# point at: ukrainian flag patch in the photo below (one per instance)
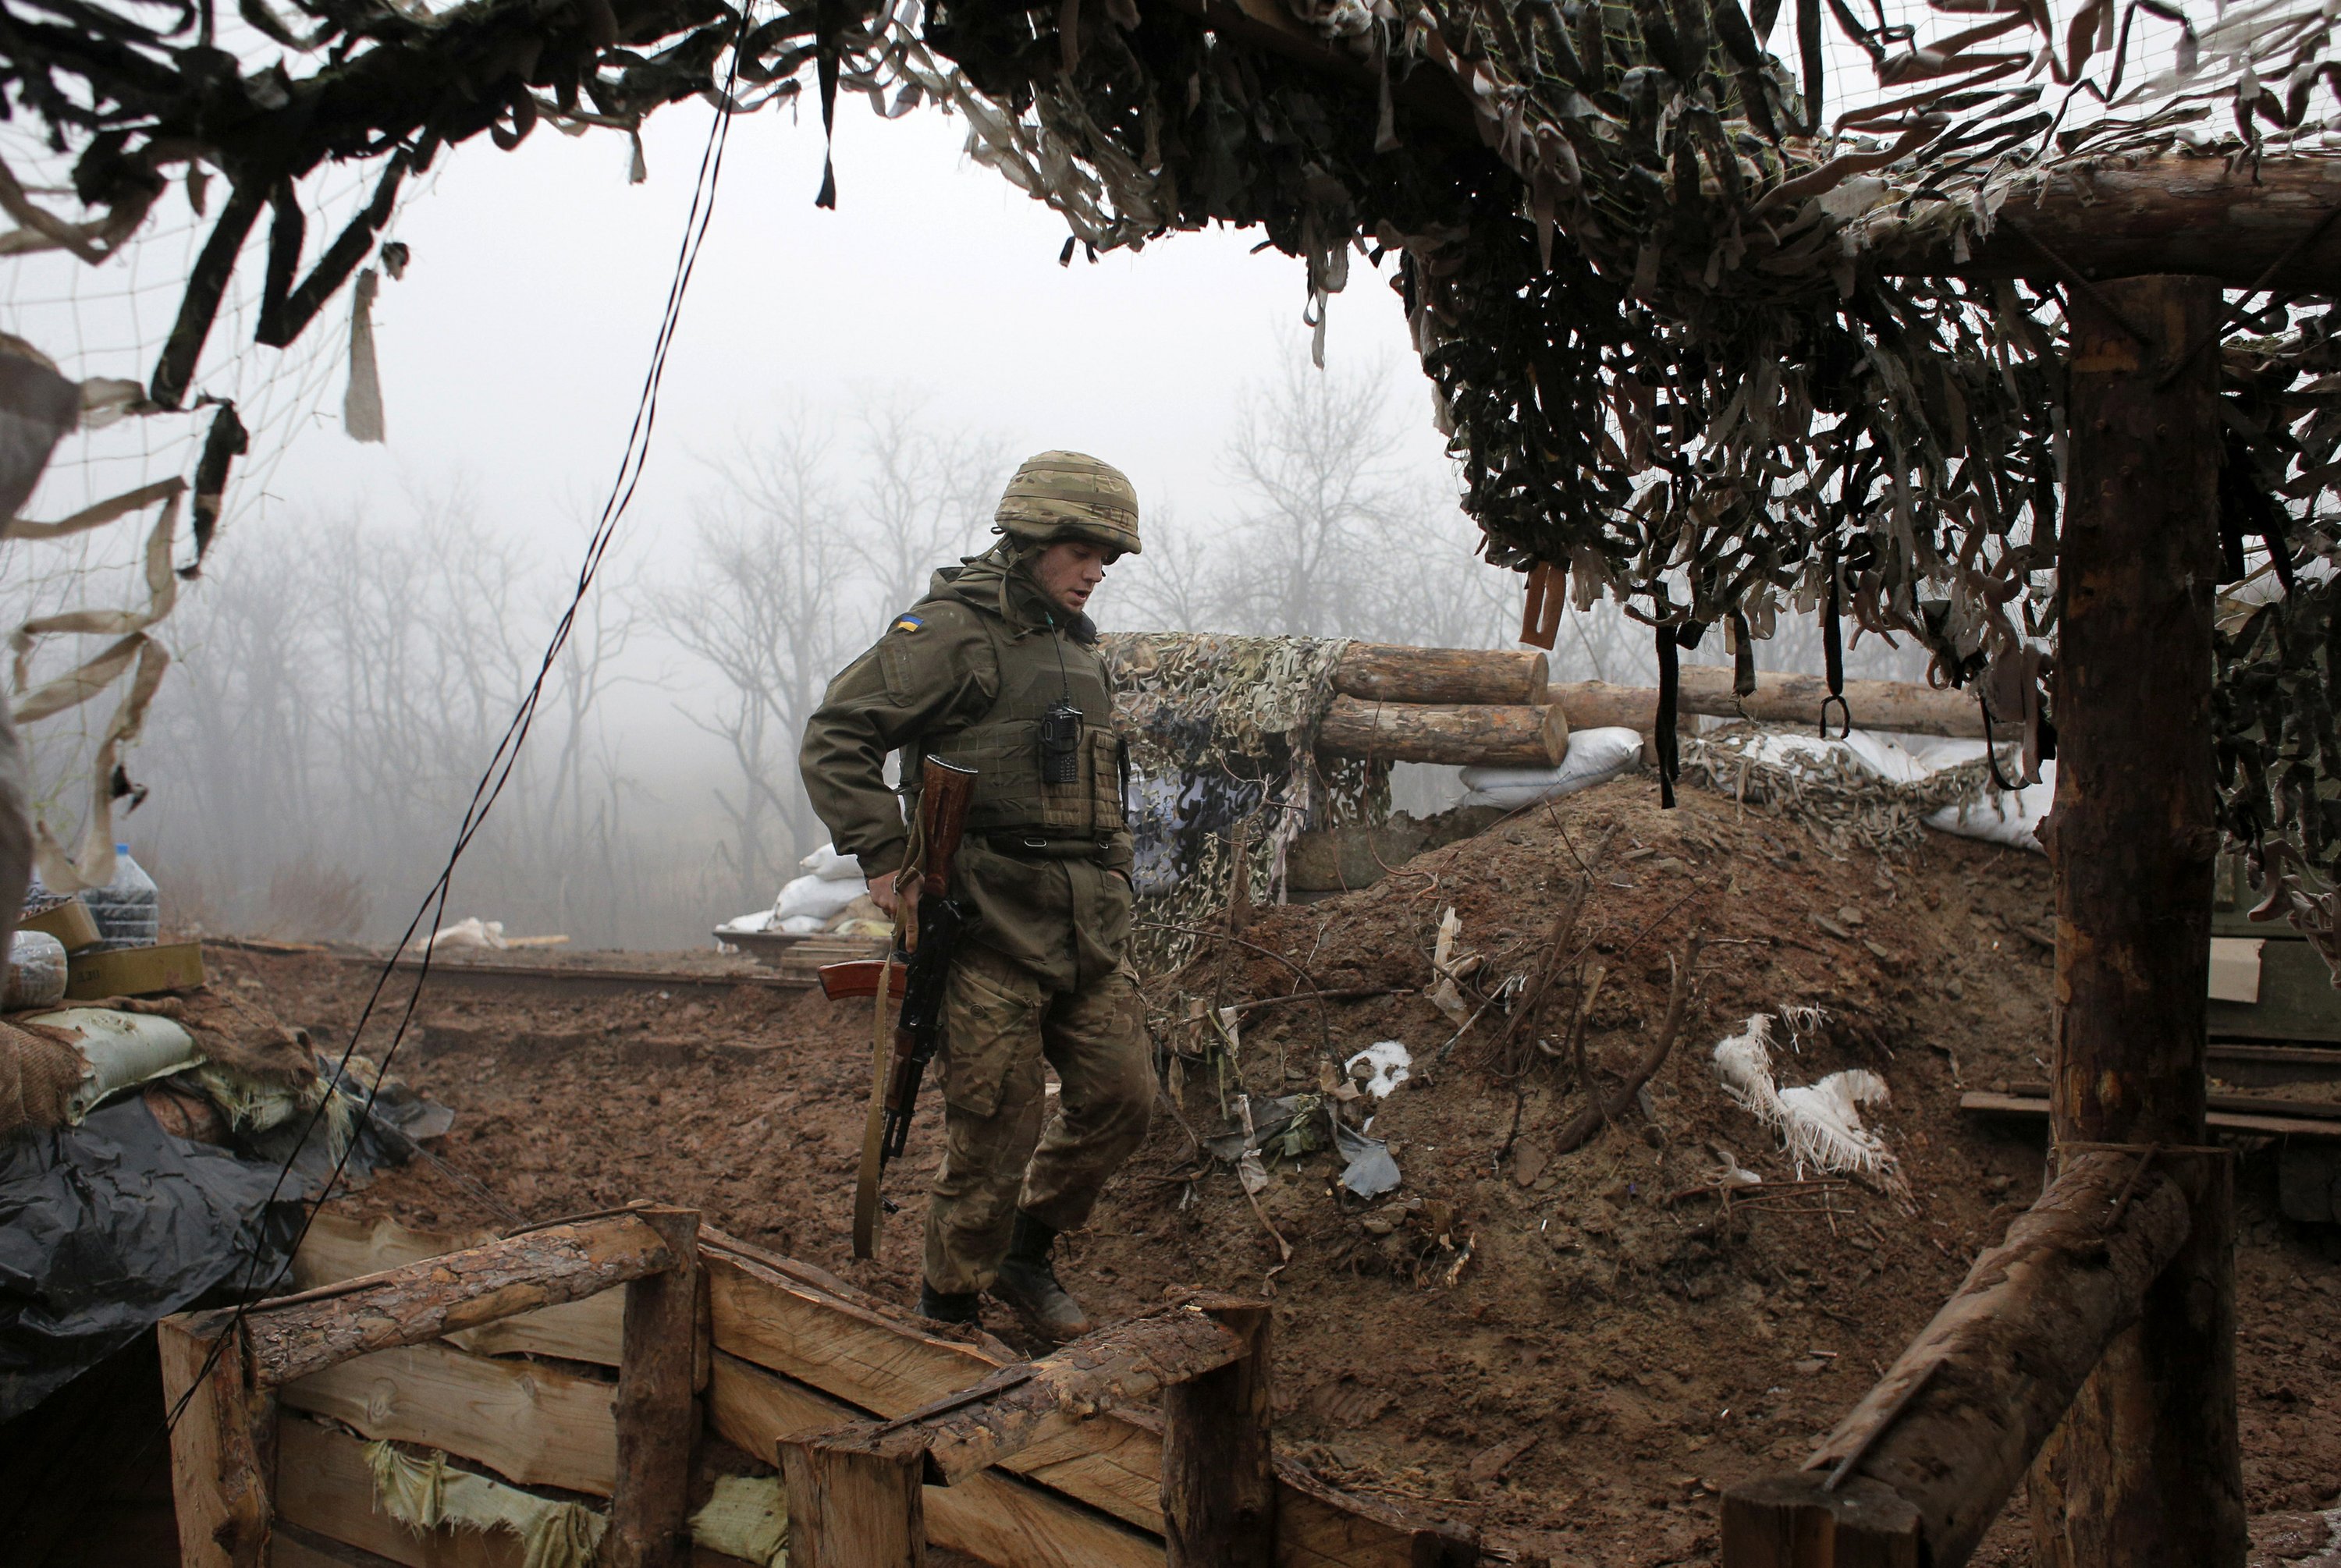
(907, 623)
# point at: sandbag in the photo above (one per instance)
(2012, 817)
(36, 972)
(830, 865)
(123, 1049)
(1595, 756)
(822, 897)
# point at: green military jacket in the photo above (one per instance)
(965, 674)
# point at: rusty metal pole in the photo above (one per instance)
(2146, 1468)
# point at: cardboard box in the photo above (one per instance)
(134, 971)
(69, 922)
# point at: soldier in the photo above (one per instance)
(997, 669)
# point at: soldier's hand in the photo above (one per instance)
(881, 893)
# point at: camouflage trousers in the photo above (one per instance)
(1002, 1028)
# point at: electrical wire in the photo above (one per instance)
(499, 769)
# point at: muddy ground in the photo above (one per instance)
(1575, 1351)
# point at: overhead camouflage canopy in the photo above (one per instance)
(1703, 344)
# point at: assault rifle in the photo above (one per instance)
(928, 923)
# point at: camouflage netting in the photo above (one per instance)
(1223, 754)
(1694, 334)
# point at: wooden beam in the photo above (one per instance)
(222, 1443)
(1895, 706)
(2199, 216)
(2147, 1468)
(856, 1499)
(1951, 1426)
(323, 1486)
(1019, 1405)
(1519, 736)
(992, 1516)
(533, 1424)
(1219, 1470)
(295, 1336)
(340, 1247)
(1394, 672)
(657, 1412)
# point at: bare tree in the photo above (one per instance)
(925, 498)
(768, 606)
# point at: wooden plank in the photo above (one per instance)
(856, 1500)
(291, 1336)
(533, 1425)
(340, 1246)
(657, 1411)
(323, 1484)
(875, 1363)
(991, 1515)
(222, 1444)
(1985, 1102)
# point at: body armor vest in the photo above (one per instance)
(1013, 796)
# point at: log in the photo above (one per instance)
(222, 1442)
(295, 1336)
(1897, 706)
(1951, 1426)
(2149, 1466)
(2159, 216)
(1219, 1469)
(658, 1417)
(338, 1247)
(1394, 672)
(1517, 736)
(1017, 1406)
(854, 1498)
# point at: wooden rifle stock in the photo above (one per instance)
(945, 793)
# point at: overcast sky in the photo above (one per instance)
(513, 349)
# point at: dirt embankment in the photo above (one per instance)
(1574, 1349)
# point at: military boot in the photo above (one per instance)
(1027, 1281)
(957, 1307)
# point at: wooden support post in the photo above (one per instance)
(1219, 1474)
(2146, 1468)
(856, 1497)
(663, 1367)
(222, 1443)
(1797, 1522)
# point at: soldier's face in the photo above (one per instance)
(1069, 572)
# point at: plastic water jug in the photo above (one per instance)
(128, 910)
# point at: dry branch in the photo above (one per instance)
(1600, 1112)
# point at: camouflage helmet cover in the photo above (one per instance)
(1069, 494)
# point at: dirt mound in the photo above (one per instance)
(1573, 1349)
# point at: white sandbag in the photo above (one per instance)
(801, 926)
(830, 865)
(1594, 756)
(36, 972)
(2012, 819)
(822, 897)
(753, 921)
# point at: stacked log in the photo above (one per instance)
(1459, 705)
(1892, 705)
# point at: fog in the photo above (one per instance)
(846, 394)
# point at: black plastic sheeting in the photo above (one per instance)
(110, 1225)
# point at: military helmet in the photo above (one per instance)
(1070, 495)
